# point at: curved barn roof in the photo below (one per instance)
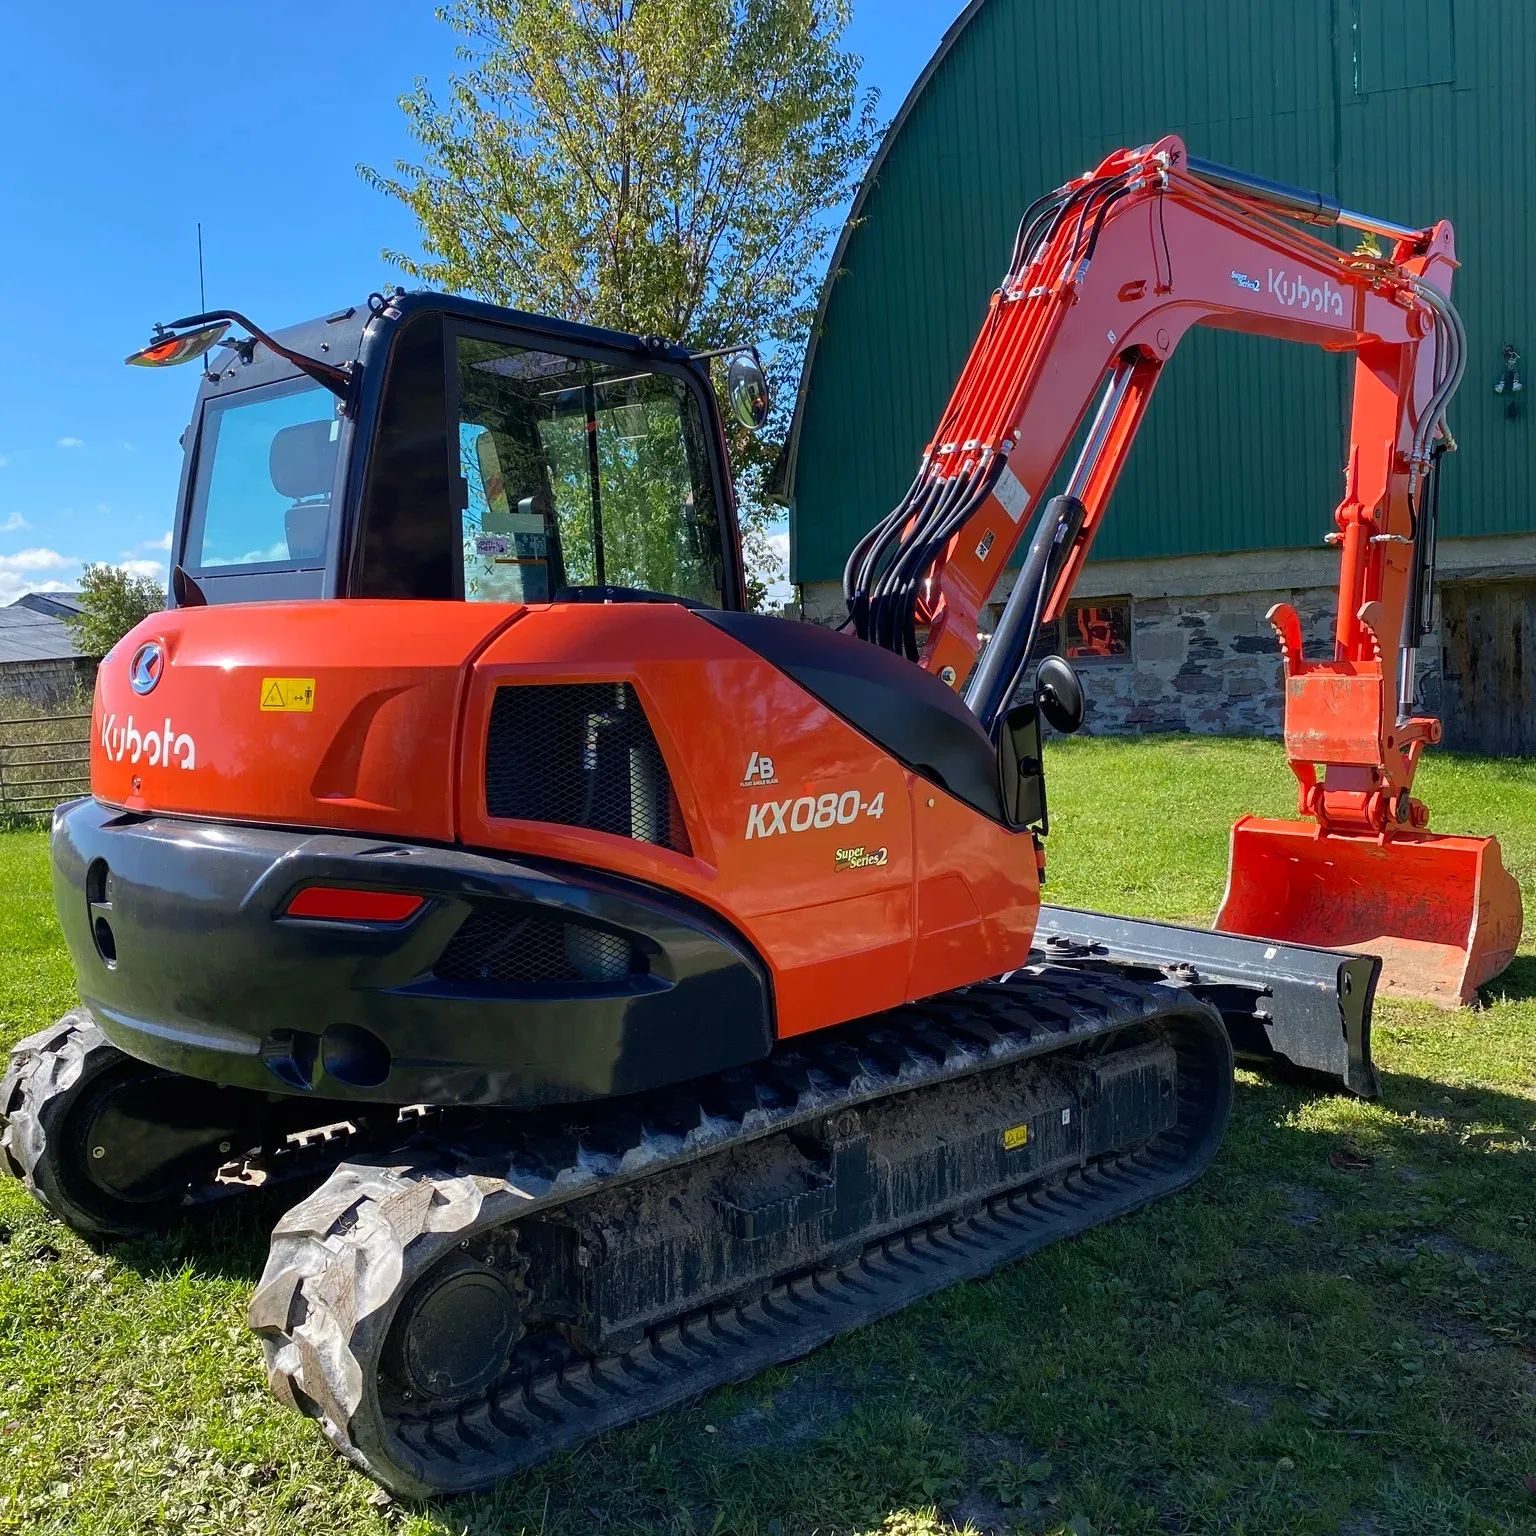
(1398, 113)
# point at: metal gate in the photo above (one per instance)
(43, 759)
(1489, 666)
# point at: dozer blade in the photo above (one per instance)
(1443, 913)
(1286, 1005)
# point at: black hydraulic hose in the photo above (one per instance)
(883, 577)
(1040, 232)
(856, 577)
(1078, 202)
(1001, 668)
(898, 587)
(1100, 190)
(876, 549)
(1035, 210)
(883, 574)
(979, 486)
(1041, 213)
(1098, 225)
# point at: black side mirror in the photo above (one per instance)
(1059, 693)
(1020, 771)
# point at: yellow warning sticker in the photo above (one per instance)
(1016, 1137)
(288, 695)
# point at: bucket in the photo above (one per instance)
(1442, 912)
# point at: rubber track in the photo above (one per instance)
(40, 1071)
(341, 1261)
(46, 1069)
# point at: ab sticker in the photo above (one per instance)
(288, 695)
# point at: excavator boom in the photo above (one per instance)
(1107, 276)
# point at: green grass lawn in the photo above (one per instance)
(1331, 1333)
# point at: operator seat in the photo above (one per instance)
(887, 698)
(302, 463)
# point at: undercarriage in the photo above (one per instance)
(471, 1291)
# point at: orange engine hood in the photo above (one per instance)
(339, 714)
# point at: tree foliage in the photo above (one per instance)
(665, 167)
(111, 602)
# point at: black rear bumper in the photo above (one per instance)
(516, 983)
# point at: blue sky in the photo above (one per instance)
(121, 127)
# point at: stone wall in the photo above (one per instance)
(1207, 663)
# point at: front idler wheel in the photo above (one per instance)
(454, 1334)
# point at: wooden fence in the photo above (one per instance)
(43, 759)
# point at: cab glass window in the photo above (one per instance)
(579, 477)
(266, 463)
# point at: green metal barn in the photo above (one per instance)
(1410, 109)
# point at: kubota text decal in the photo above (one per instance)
(156, 747)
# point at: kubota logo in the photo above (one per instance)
(162, 746)
(1298, 293)
(145, 668)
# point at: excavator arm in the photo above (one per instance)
(1107, 276)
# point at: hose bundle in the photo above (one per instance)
(885, 576)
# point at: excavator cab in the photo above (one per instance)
(429, 447)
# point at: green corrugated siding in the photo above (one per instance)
(1406, 108)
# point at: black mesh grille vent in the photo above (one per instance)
(529, 947)
(581, 755)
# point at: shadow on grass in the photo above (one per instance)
(226, 1240)
(1515, 984)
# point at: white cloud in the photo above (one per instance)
(163, 542)
(34, 560)
(12, 587)
(18, 573)
(71, 442)
(15, 522)
(151, 568)
(3, 461)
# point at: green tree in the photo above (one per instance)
(111, 602)
(666, 167)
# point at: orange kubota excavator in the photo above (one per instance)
(651, 986)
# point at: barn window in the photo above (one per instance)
(1098, 629)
